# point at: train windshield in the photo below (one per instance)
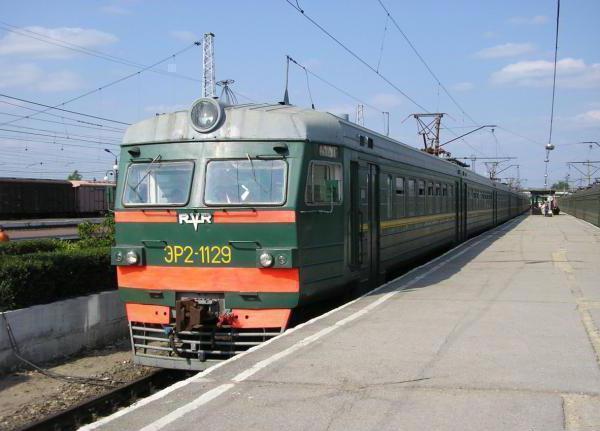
(158, 183)
(245, 182)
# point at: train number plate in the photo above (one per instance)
(205, 254)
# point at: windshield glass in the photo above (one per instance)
(245, 182)
(158, 183)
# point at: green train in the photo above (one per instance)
(228, 218)
(583, 204)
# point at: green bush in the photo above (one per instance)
(97, 235)
(43, 277)
(31, 246)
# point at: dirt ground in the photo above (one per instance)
(26, 396)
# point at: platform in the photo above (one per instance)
(500, 333)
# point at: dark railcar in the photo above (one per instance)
(583, 204)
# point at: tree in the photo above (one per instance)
(561, 185)
(75, 176)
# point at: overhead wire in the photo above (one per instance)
(354, 54)
(66, 124)
(429, 69)
(330, 84)
(55, 108)
(64, 136)
(365, 63)
(110, 84)
(51, 136)
(101, 54)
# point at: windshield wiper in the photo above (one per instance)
(134, 188)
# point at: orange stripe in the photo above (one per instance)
(146, 216)
(209, 279)
(147, 313)
(254, 217)
(269, 318)
(170, 216)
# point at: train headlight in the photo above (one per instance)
(206, 115)
(266, 260)
(118, 257)
(132, 257)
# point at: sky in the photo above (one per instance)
(495, 58)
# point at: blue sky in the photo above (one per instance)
(494, 57)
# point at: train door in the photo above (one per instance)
(465, 211)
(364, 220)
(458, 210)
(494, 207)
(461, 203)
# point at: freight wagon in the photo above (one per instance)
(22, 198)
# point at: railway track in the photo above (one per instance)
(107, 403)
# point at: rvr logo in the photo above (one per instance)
(195, 219)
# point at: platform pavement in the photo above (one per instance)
(500, 333)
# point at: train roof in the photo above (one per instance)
(290, 123)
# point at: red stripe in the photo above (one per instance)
(209, 279)
(170, 216)
(254, 217)
(167, 216)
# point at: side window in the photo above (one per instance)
(421, 200)
(411, 198)
(324, 183)
(400, 185)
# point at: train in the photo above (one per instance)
(23, 198)
(230, 218)
(583, 204)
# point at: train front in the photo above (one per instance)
(206, 235)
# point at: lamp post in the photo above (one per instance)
(115, 166)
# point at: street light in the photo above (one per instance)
(115, 166)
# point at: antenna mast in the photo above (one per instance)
(360, 115)
(208, 62)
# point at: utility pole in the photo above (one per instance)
(588, 173)
(492, 165)
(208, 63)
(386, 123)
(360, 115)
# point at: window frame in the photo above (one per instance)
(341, 191)
(250, 204)
(162, 205)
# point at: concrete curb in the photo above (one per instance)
(50, 331)
(36, 224)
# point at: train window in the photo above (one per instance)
(245, 182)
(324, 183)
(444, 190)
(158, 184)
(421, 188)
(388, 192)
(429, 189)
(400, 185)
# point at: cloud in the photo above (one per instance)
(31, 77)
(506, 50)
(184, 35)
(19, 44)
(386, 100)
(463, 86)
(533, 20)
(589, 118)
(571, 73)
(113, 9)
